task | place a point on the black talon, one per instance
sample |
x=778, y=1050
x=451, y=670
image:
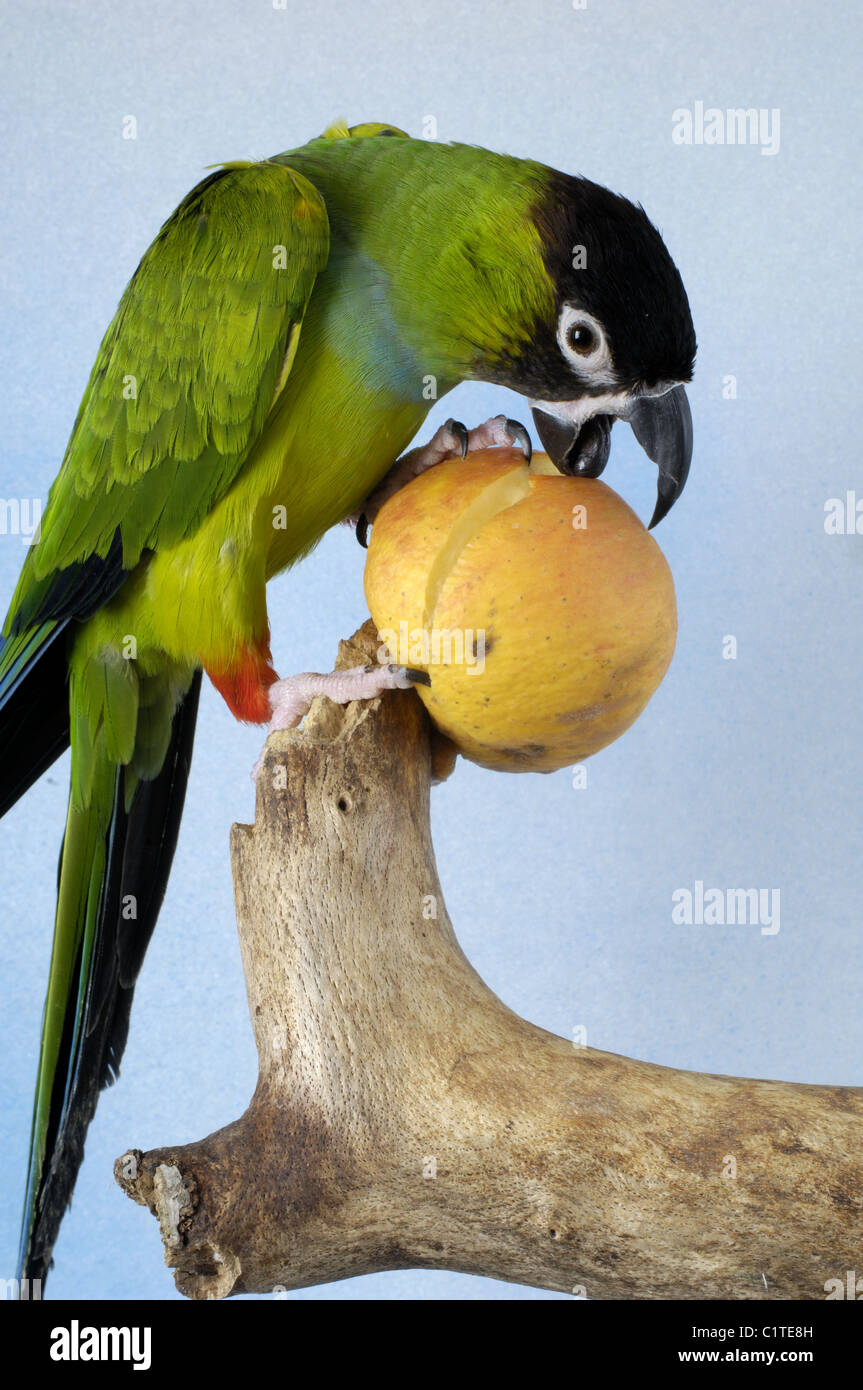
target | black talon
x=519, y=435
x=417, y=677
x=457, y=428
x=363, y=530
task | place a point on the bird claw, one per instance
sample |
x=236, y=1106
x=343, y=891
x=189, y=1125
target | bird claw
x=497, y=433
x=518, y=435
x=460, y=431
x=290, y=699
x=451, y=439
x=415, y=676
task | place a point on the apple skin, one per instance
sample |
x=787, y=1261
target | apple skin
x=560, y=581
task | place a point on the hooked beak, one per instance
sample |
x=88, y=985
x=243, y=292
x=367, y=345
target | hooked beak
x=579, y=444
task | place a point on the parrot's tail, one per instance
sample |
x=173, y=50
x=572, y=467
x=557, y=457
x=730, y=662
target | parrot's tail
x=114, y=867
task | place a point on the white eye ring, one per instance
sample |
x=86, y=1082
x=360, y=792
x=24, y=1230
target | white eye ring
x=591, y=356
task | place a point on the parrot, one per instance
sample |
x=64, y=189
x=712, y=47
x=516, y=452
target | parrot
x=274, y=354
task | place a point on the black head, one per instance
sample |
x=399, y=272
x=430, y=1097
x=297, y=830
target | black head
x=620, y=343
x=605, y=255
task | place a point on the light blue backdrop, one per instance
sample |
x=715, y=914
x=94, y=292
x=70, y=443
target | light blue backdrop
x=742, y=773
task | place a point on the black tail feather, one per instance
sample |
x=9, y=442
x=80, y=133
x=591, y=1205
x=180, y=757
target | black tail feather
x=34, y=696
x=140, y=850
x=34, y=723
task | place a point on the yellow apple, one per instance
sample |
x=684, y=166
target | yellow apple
x=541, y=607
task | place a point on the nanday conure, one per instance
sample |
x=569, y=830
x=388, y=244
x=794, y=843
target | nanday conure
x=273, y=350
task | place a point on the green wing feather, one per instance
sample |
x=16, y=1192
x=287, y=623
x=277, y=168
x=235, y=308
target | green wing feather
x=189, y=368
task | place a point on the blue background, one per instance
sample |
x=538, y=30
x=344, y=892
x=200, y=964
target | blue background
x=742, y=773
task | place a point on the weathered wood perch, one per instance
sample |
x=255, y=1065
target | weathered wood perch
x=405, y=1117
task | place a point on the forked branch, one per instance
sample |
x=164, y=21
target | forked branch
x=405, y=1117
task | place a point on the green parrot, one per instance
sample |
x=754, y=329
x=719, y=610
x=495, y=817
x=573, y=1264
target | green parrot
x=274, y=353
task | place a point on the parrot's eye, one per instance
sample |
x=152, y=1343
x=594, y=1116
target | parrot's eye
x=583, y=343
x=581, y=338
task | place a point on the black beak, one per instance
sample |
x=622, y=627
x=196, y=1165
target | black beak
x=661, y=424
x=580, y=451
x=663, y=427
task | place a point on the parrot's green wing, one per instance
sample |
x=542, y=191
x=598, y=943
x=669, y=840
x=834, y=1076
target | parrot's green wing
x=198, y=352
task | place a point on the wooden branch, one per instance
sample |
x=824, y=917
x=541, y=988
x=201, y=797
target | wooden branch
x=405, y=1117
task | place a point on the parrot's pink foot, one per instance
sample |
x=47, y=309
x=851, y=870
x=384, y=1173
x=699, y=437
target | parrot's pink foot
x=291, y=698
x=451, y=440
